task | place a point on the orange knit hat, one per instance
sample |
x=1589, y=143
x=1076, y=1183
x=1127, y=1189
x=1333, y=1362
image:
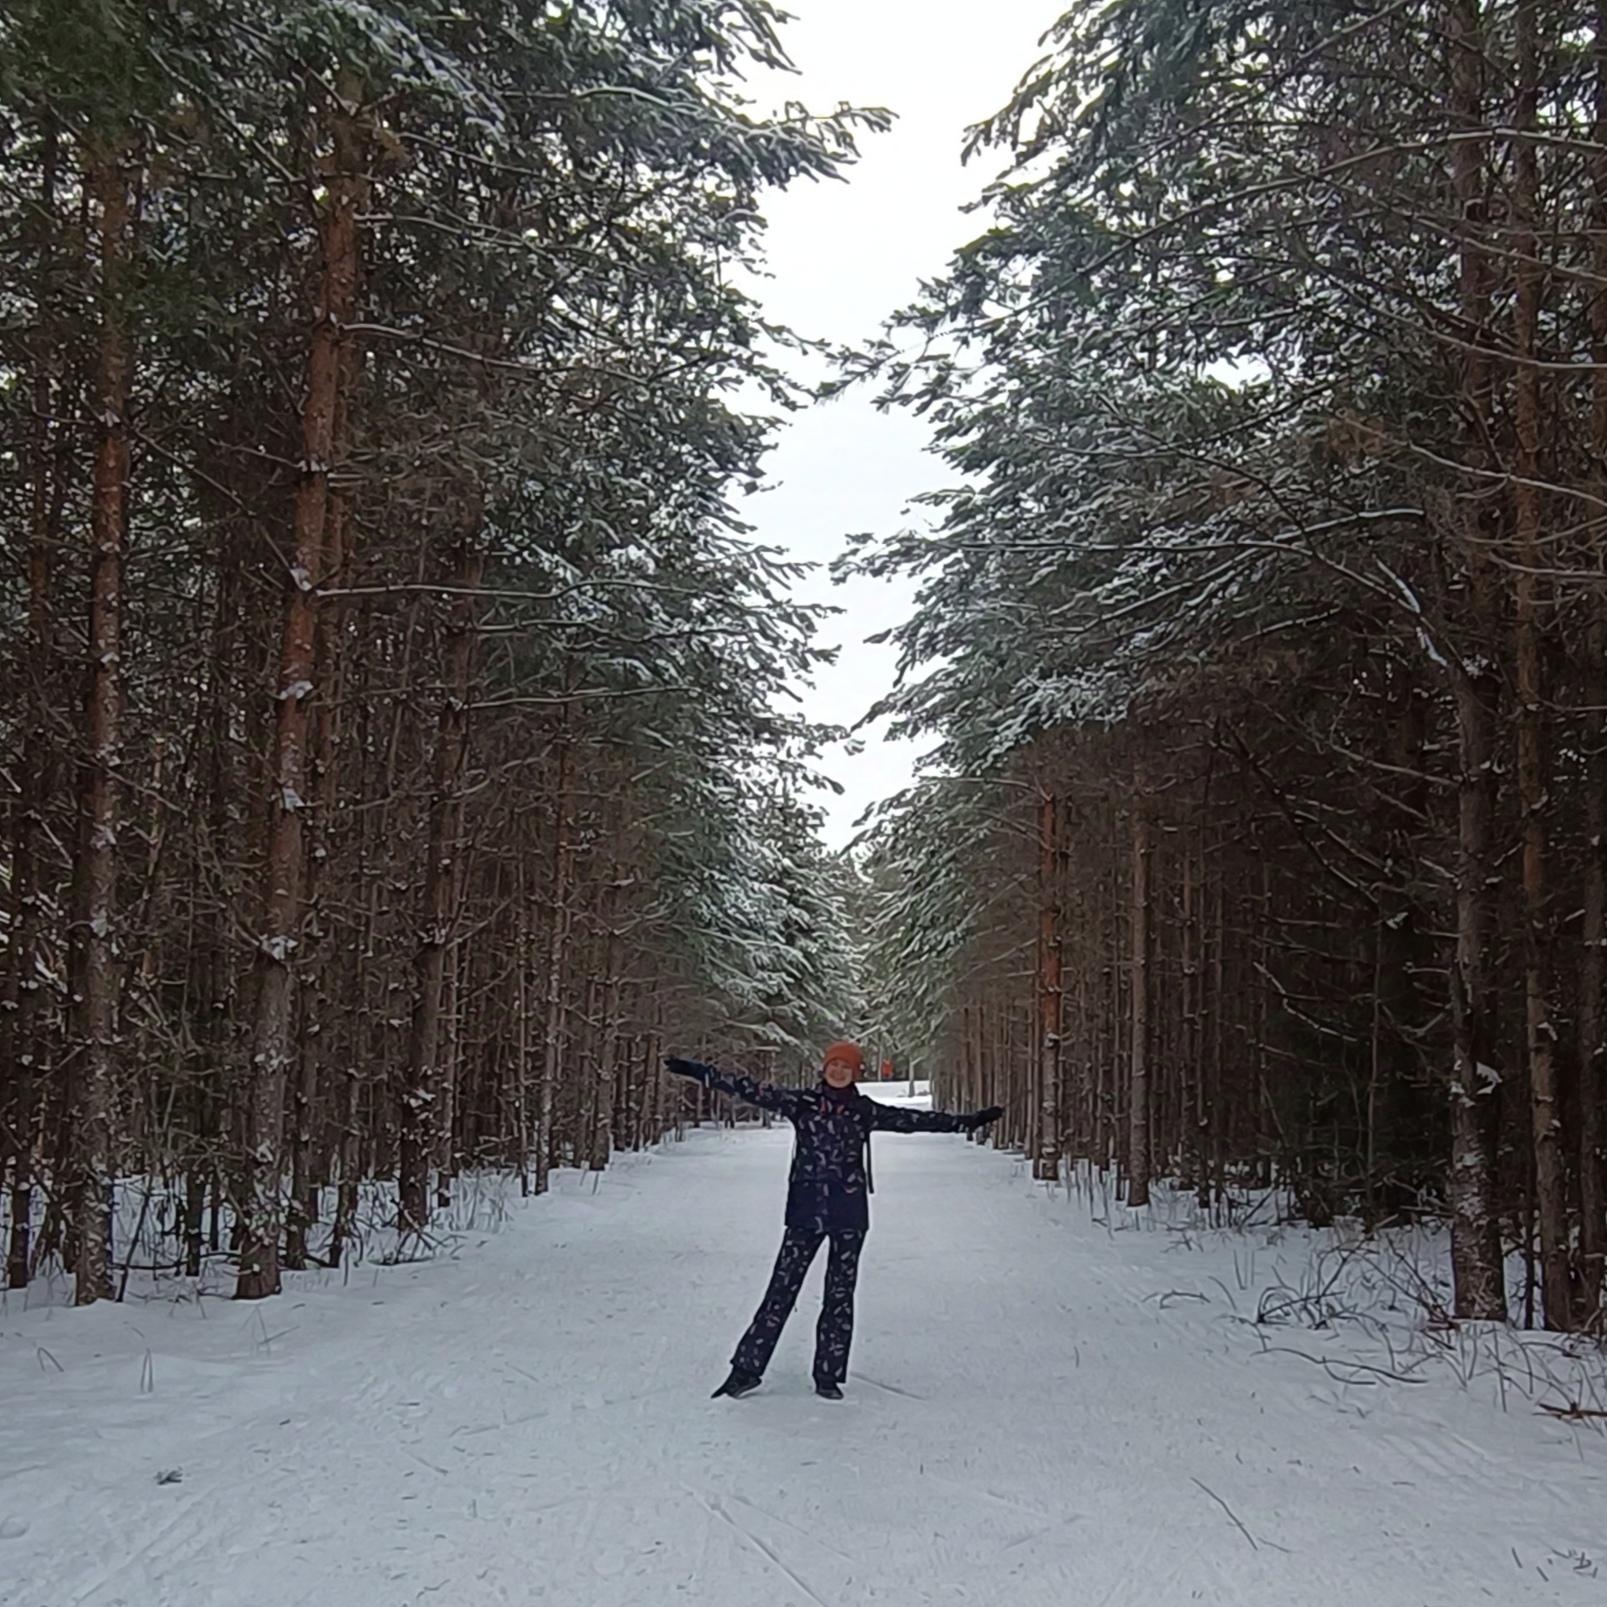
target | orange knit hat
x=850, y=1052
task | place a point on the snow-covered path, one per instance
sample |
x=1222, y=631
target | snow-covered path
x=1026, y=1423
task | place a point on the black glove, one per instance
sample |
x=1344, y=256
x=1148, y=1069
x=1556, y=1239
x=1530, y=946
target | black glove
x=981, y=1118
x=695, y=1069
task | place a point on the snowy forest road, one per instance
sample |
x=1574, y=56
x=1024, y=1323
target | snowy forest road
x=1040, y=1411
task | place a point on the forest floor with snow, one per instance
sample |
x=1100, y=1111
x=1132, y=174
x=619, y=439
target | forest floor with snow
x=1048, y=1403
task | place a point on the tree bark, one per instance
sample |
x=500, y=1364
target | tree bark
x=521, y=1036
x=450, y=1058
x=421, y=1098
x=1477, y=1270
x=1592, y=1024
x=261, y=1203
x=603, y=1139
x=108, y=182
x=557, y=949
x=314, y=1053
x=1046, y=1162
x=1189, y=1098
x=23, y=1038
x=1545, y=1109
x=1138, y=1146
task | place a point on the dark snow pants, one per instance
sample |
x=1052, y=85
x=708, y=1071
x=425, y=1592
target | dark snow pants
x=835, y=1330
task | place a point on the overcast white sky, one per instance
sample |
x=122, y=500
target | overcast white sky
x=845, y=255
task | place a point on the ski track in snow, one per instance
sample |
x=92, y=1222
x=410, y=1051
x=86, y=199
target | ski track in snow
x=529, y=1422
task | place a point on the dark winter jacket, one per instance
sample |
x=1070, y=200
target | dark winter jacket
x=828, y=1184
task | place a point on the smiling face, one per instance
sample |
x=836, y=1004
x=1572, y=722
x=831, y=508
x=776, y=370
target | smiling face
x=839, y=1072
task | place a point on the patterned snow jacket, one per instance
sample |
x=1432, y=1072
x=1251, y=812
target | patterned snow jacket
x=830, y=1176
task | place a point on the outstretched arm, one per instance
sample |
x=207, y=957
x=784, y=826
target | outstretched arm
x=765, y=1095
x=899, y=1119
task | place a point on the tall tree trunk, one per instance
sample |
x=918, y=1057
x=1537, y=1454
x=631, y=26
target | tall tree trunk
x=349, y=1141
x=585, y=1059
x=1046, y=1162
x=343, y=187
x=421, y=1099
x=521, y=1035
x=1138, y=1157
x=1476, y=1262
x=1593, y=935
x=557, y=949
x=1213, y=1120
x=211, y=969
x=22, y=1017
x=316, y=961
x=1551, y=1197
x=1475, y=1103
x=1189, y=1037
x=602, y=1145
x=1110, y=1033
x=108, y=182
x=653, y=1079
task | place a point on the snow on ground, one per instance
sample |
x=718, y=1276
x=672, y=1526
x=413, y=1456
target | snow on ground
x=1045, y=1407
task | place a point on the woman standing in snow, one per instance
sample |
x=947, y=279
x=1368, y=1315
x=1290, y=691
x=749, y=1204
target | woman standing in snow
x=826, y=1199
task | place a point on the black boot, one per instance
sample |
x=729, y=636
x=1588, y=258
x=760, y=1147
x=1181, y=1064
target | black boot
x=737, y=1385
x=828, y=1389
